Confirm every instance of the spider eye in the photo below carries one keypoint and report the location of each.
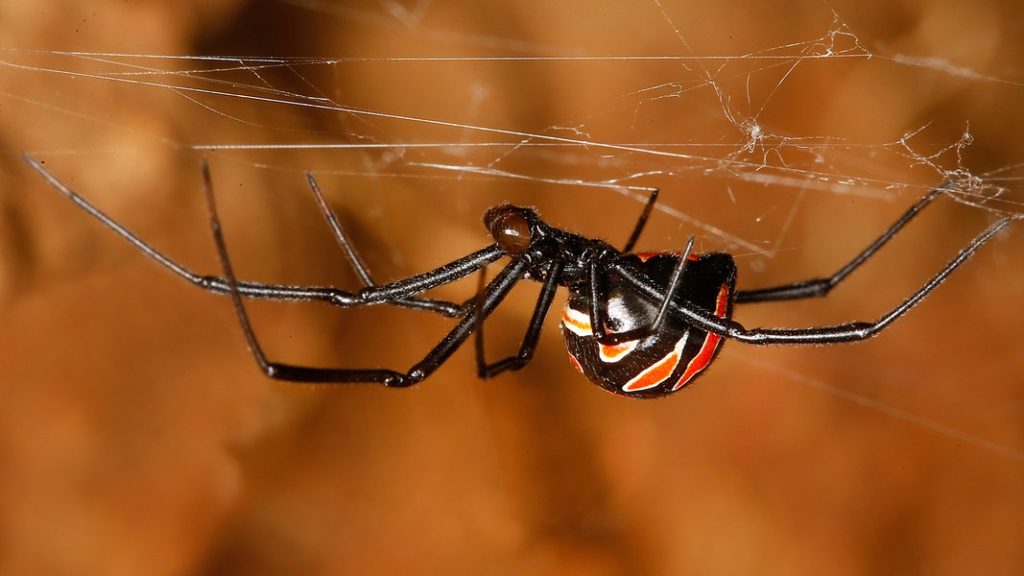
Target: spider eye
(510, 228)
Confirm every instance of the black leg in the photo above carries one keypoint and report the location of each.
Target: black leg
(495, 292)
(439, 306)
(641, 222)
(385, 293)
(850, 332)
(822, 286)
(598, 302)
(666, 301)
(219, 285)
(532, 336)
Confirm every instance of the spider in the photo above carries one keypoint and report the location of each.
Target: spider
(642, 325)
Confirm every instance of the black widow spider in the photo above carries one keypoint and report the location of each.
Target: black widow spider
(658, 321)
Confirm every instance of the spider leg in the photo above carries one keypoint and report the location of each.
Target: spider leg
(598, 302)
(849, 332)
(821, 286)
(642, 221)
(439, 306)
(666, 301)
(219, 285)
(493, 295)
(530, 338)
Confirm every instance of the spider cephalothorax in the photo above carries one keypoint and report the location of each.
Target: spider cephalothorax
(641, 325)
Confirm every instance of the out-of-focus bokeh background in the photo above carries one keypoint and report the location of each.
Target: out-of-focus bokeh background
(138, 437)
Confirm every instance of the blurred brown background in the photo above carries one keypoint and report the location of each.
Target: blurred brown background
(138, 437)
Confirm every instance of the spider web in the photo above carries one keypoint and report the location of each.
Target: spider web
(788, 136)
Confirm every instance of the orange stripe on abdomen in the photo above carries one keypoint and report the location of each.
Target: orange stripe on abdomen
(658, 372)
(614, 352)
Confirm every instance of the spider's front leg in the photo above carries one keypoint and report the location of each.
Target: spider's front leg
(442, 307)
(493, 294)
(396, 293)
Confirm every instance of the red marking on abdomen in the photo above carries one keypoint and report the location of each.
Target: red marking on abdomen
(614, 352)
(645, 256)
(575, 363)
(711, 342)
(658, 372)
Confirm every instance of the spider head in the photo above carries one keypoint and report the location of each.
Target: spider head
(511, 226)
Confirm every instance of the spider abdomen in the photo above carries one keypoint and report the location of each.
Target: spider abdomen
(666, 360)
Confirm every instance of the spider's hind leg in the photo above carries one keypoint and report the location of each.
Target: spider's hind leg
(848, 332)
(821, 286)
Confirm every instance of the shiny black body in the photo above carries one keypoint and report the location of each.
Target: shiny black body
(649, 301)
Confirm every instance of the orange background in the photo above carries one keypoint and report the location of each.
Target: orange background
(138, 437)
